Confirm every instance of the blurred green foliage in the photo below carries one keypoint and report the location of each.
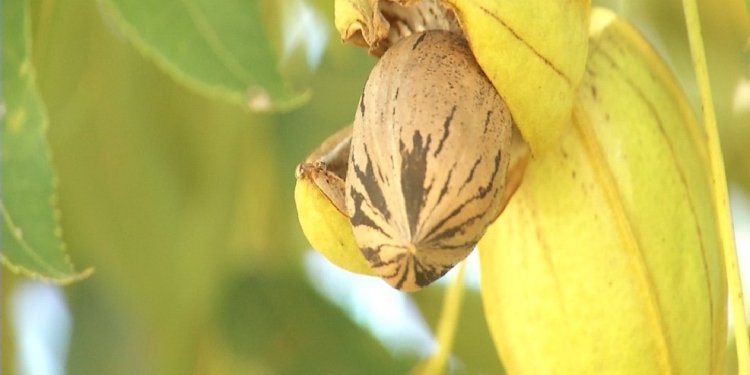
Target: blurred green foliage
(220, 50)
(30, 229)
(182, 202)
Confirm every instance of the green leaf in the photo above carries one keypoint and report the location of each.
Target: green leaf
(31, 232)
(218, 48)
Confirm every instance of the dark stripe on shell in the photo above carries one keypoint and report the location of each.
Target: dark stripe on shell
(427, 273)
(359, 217)
(487, 122)
(362, 104)
(373, 257)
(442, 193)
(483, 190)
(471, 175)
(406, 265)
(446, 130)
(372, 186)
(419, 40)
(450, 232)
(413, 171)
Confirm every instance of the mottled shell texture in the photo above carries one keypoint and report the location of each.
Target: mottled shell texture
(429, 156)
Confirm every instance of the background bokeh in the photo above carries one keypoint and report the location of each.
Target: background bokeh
(183, 204)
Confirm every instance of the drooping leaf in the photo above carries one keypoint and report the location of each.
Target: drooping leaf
(218, 48)
(31, 242)
(607, 258)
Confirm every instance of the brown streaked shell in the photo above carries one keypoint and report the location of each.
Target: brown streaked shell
(429, 156)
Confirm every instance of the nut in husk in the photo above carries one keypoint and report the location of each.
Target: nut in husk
(417, 198)
(430, 153)
(533, 52)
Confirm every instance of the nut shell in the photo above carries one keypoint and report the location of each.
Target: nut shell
(429, 158)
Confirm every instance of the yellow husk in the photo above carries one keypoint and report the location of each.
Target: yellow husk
(534, 53)
(607, 258)
(327, 228)
(721, 197)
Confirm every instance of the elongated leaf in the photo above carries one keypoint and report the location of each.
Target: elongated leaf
(31, 232)
(215, 47)
(607, 258)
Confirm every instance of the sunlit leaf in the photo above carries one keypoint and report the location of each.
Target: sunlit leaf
(607, 257)
(215, 47)
(31, 242)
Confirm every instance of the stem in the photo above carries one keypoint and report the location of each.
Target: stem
(719, 181)
(446, 329)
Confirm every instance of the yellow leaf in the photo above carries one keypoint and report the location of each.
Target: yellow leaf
(607, 258)
(534, 53)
